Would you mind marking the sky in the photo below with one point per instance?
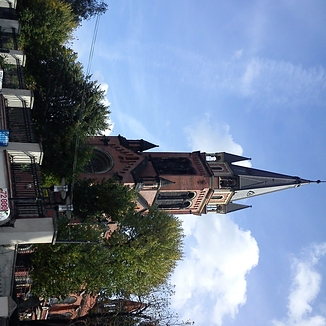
(246, 77)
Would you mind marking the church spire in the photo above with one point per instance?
(234, 182)
(254, 182)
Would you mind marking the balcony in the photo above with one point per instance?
(27, 199)
(13, 77)
(19, 124)
(7, 13)
(13, 57)
(18, 121)
(9, 26)
(8, 39)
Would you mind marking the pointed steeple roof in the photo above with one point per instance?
(232, 207)
(254, 182)
(138, 145)
(230, 158)
(164, 182)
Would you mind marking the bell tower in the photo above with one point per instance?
(182, 182)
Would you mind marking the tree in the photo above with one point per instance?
(45, 25)
(106, 199)
(137, 258)
(146, 250)
(152, 309)
(86, 9)
(68, 108)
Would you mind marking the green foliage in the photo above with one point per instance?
(45, 25)
(49, 180)
(67, 268)
(68, 106)
(86, 9)
(137, 258)
(87, 232)
(106, 199)
(147, 249)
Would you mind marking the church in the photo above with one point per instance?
(180, 182)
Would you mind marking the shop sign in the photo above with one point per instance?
(4, 204)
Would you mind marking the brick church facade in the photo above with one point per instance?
(182, 182)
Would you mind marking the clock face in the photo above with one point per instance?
(100, 162)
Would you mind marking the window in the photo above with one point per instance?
(176, 195)
(217, 168)
(174, 205)
(217, 197)
(228, 183)
(70, 300)
(173, 166)
(65, 315)
(175, 200)
(214, 208)
(101, 162)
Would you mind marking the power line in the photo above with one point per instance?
(82, 103)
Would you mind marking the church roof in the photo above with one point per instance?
(252, 192)
(254, 182)
(230, 158)
(139, 145)
(232, 207)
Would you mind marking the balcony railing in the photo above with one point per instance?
(8, 13)
(8, 41)
(13, 77)
(28, 199)
(19, 123)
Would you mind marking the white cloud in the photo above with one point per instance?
(265, 82)
(282, 83)
(237, 54)
(305, 288)
(105, 87)
(252, 72)
(206, 138)
(211, 280)
(202, 136)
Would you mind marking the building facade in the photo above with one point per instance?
(24, 214)
(182, 183)
(24, 217)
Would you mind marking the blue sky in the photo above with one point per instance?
(247, 77)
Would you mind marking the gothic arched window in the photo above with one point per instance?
(174, 205)
(172, 195)
(175, 199)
